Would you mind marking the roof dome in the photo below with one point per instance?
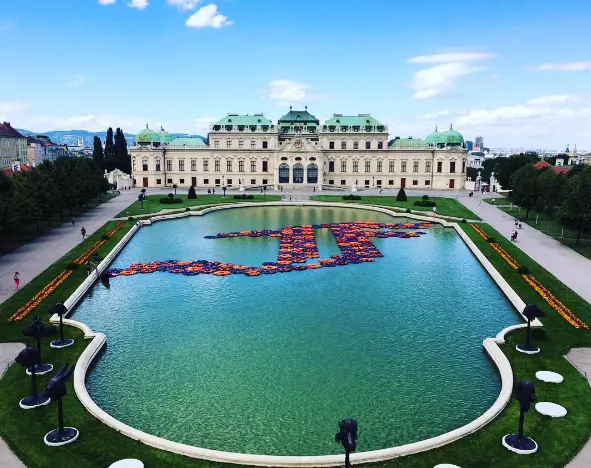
(164, 136)
(453, 137)
(435, 138)
(147, 135)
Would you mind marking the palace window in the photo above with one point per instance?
(265, 181)
(205, 181)
(206, 165)
(439, 166)
(380, 145)
(217, 165)
(331, 145)
(415, 166)
(264, 145)
(355, 145)
(391, 165)
(169, 181)
(253, 144)
(253, 181)
(355, 166)
(181, 164)
(343, 182)
(240, 166)
(403, 166)
(367, 183)
(216, 144)
(390, 182)
(169, 165)
(158, 181)
(343, 145)
(368, 145)
(463, 166)
(132, 164)
(427, 182)
(228, 166)
(158, 165)
(145, 165)
(228, 143)
(253, 166)
(367, 166)
(229, 182)
(240, 144)
(452, 167)
(343, 165)
(217, 182)
(181, 181)
(427, 166)
(415, 182)
(193, 165)
(379, 169)
(330, 166)
(265, 168)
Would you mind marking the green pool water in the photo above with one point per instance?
(270, 364)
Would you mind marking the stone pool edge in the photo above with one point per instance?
(98, 340)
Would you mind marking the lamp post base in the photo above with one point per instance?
(34, 401)
(527, 349)
(40, 369)
(521, 445)
(58, 344)
(56, 438)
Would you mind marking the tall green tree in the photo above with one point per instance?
(110, 156)
(122, 155)
(25, 199)
(549, 190)
(504, 168)
(524, 184)
(97, 150)
(575, 210)
(8, 218)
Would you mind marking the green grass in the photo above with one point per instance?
(445, 206)
(559, 439)
(552, 227)
(152, 203)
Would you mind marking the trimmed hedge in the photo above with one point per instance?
(401, 195)
(425, 197)
(170, 201)
(424, 202)
(243, 197)
(351, 197)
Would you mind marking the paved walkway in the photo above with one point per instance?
(581, 359)
(568, 266)
(34, 257)
(8, 352)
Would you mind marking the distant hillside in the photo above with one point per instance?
(70, 137)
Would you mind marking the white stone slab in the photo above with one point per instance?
(127, 463)
(446, 465)
(547, 376)
(550, 409)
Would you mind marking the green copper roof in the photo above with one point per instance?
(187, 141)
(299, 116)
(164, 136)
(434, 138)
(147, 135)
(246, 120)
(408, 143)
(360, 120)
(452, 136)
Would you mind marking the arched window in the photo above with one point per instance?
(312, 176)
(298, 173)
(283, 174)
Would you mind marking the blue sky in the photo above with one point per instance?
(517, 73)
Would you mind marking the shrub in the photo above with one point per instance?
(187, 209)
(464, 221)
(523, 270)
(170, 201)
(170, 195)
(491, 240)
(130, 218)
(236, 197)
(427, 203)
(104, 237)
(72, 266)
(425, 197)
(401, 195)
(408, 210)
(192, 195)
(351, 197)
(249, 197)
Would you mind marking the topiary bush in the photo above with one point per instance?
(351, 197)
(72, 266)
(464, 221)
(192, 195)
(408, 210)
(491, 240)
(426, 203)
(170, 195)
(130, 218)
(401, 195)
(104, 237)
(523, 270)
(187, 209)
(425, 197)
(170, 201)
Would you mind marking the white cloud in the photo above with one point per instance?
(208, 17)
(568, 66)
(8, 107)
(139, 4)
(107, 2)
(202, 125)
(78, 81)
(451, 57)
(90, 122)
(184, 5)
(287, 92)
(440, 79)
(552, 99)
(434, 115)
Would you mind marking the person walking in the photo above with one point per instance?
(83, 232)
(88, 268)
(515, 236)
(73, 222)
(17, 280)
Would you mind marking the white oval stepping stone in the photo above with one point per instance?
(551, 409)
(446, 465)
(127, 463)
(547, 376)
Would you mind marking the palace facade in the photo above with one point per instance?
(250, 151)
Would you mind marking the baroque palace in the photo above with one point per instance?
(250, 151)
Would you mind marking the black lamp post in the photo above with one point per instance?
(56, 390)
(531, 312)
(224, 189)
(38, 330)
(28, 357)
(61, 310)
(174, 186)
(525, 393)
(264, 191)
(373, 179)
(347, 436)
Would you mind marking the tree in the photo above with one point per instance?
(549, 190)
(97, 151)
(192, 195)
(504, 168)
(401, 195)
(8, 219)
(575, 210)
(525, 187)
(110, 157)
(121, 154)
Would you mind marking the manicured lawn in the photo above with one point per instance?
(152, 203)
(559, 439)
(445, 206)
(552, 227)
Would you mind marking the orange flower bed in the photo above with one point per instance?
(558, 306)
(112, 232)
(86, 255)
(479, 230)
(40, 296)
(503, 253)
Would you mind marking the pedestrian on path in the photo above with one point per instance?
(480, 202)
(515, 240)
(73, 222)
(88, 268)
(83, 232)
(17, 280)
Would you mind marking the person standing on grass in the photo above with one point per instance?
(17, 280)
(73, 222)
(83, 232)
(88, 268)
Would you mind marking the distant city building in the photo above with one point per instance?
(36, 151)
(13, 146)
(469, 145)
(479, 142)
